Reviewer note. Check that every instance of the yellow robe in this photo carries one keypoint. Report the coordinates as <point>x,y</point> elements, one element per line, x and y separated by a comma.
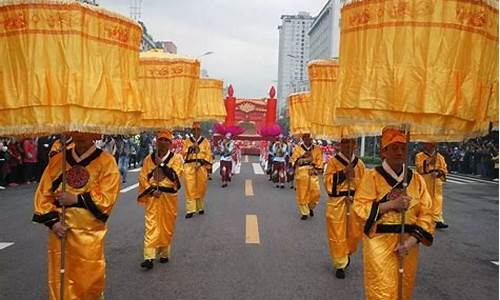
<point>342,226</point>
<point>434,184</point>
<point>195,173</point>
<point>382,232</point>
<point>307,191</point>
<point>84,245</point>
<point>160,213</point>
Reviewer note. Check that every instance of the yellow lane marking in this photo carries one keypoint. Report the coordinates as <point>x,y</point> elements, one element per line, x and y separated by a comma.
<point>252,230</point>
<point>248,187</point>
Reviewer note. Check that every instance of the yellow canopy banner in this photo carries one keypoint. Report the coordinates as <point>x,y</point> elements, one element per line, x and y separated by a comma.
<point>209,105</point>
<point>427,63</point>
<point>299,109</point>
<point>67,66</point>
<point>168,84</point>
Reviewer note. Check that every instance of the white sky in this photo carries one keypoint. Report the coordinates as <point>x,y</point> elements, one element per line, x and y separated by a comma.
<point>242,34</point>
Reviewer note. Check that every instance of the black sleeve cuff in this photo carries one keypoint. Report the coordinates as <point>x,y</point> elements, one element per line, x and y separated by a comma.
<point>48,219</point>
<point>372,218</point>
<point>422,236</point>
<point>89,204</point>
<point>172,176</point>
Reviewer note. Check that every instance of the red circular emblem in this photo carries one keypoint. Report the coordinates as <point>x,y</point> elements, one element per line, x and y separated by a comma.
<point>77,177</point>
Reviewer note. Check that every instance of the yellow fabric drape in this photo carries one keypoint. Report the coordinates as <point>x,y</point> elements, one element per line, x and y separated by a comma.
<point>299,108</point>
<point>168,85</point>
<point>427,63</point>
<point>159,213</point>
<point>307,191</point>
<point>209,105</point>
<point>67,66</point>
<point>84,253</point>
<point>425,167</point>
<point>195,173</point>
<point>343,230</point>
<point>380,259</point>
<point>323,77</point>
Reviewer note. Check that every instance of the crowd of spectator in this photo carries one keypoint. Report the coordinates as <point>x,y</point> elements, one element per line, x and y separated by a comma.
<point>475,157</point>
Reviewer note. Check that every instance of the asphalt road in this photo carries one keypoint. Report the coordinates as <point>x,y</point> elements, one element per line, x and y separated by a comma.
<point>211,259</point>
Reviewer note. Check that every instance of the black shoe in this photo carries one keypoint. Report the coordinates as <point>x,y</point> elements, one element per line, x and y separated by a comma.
<point>209,178</point>
<point>189,215</point>
<point>304,217</point>
<point>441,225</point>
<point>311,213</point>
<point>148,264</point>
<point>201,212</point>
<point>282,186</point>
<point>348,262</point>
<point>340,274</point>
<point>224,185</point>
<point>277,185</point>
<point>291,187</point>
<point>163,260</point>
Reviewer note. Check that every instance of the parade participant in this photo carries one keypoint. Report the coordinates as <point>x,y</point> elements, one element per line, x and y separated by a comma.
<point>197,155</point>
<point>342,176</point>
<point>308,163</point>
<point>432,166</point>
<point>289,166</point>
<point>226,164</point>
<point>158,186</point>
<point>93,185</point>
<point>280,149</point>
<point>379,201</point>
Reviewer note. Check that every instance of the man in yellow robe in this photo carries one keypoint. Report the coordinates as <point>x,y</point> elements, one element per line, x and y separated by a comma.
<point>379,201</point>
<point>93,184</point>
<point>158,186</point>
<point>307,160</point>
<point>432,166</point>
<point>197,155</point>
<point>342,176</point>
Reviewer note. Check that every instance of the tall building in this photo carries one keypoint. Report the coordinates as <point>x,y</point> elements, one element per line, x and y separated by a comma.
<point>167,46</point>
<point>147,42</point>
<point>324,34</point>
<point>293,56</point>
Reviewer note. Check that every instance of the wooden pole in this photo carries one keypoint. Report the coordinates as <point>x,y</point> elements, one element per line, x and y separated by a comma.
<point>62,220</point>
<point>403,213</point>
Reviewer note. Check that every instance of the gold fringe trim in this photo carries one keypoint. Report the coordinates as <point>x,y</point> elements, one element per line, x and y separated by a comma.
<point>49,129</point>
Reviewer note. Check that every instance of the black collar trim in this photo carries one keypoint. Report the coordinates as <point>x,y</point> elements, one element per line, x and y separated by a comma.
<point>391,181</point>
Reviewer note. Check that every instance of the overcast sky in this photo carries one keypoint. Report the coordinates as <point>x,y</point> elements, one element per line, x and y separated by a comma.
<point>243,34</point>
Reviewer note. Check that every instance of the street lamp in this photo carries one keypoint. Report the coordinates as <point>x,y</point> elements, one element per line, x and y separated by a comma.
<point>205,54</point>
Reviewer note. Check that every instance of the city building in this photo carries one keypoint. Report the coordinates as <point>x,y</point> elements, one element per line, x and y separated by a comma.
<point>147,42</point>
<point>293,56</point>
<point>324,34</point>
<point>167,46</point>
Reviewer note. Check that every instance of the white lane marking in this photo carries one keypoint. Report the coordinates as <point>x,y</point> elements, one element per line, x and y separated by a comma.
<point>237,168</point>
<point>215,166</point>
<point>134,170</point>
<point>129,188</point>
<point>471,179</point>
<point>4,245</point>
<point>494,262</point>
<point>246,158</point>
<point>257,169</point>
<point>453,181</point>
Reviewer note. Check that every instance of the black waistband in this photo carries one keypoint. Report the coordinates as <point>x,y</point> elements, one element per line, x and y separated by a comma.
<point>342,194</point>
